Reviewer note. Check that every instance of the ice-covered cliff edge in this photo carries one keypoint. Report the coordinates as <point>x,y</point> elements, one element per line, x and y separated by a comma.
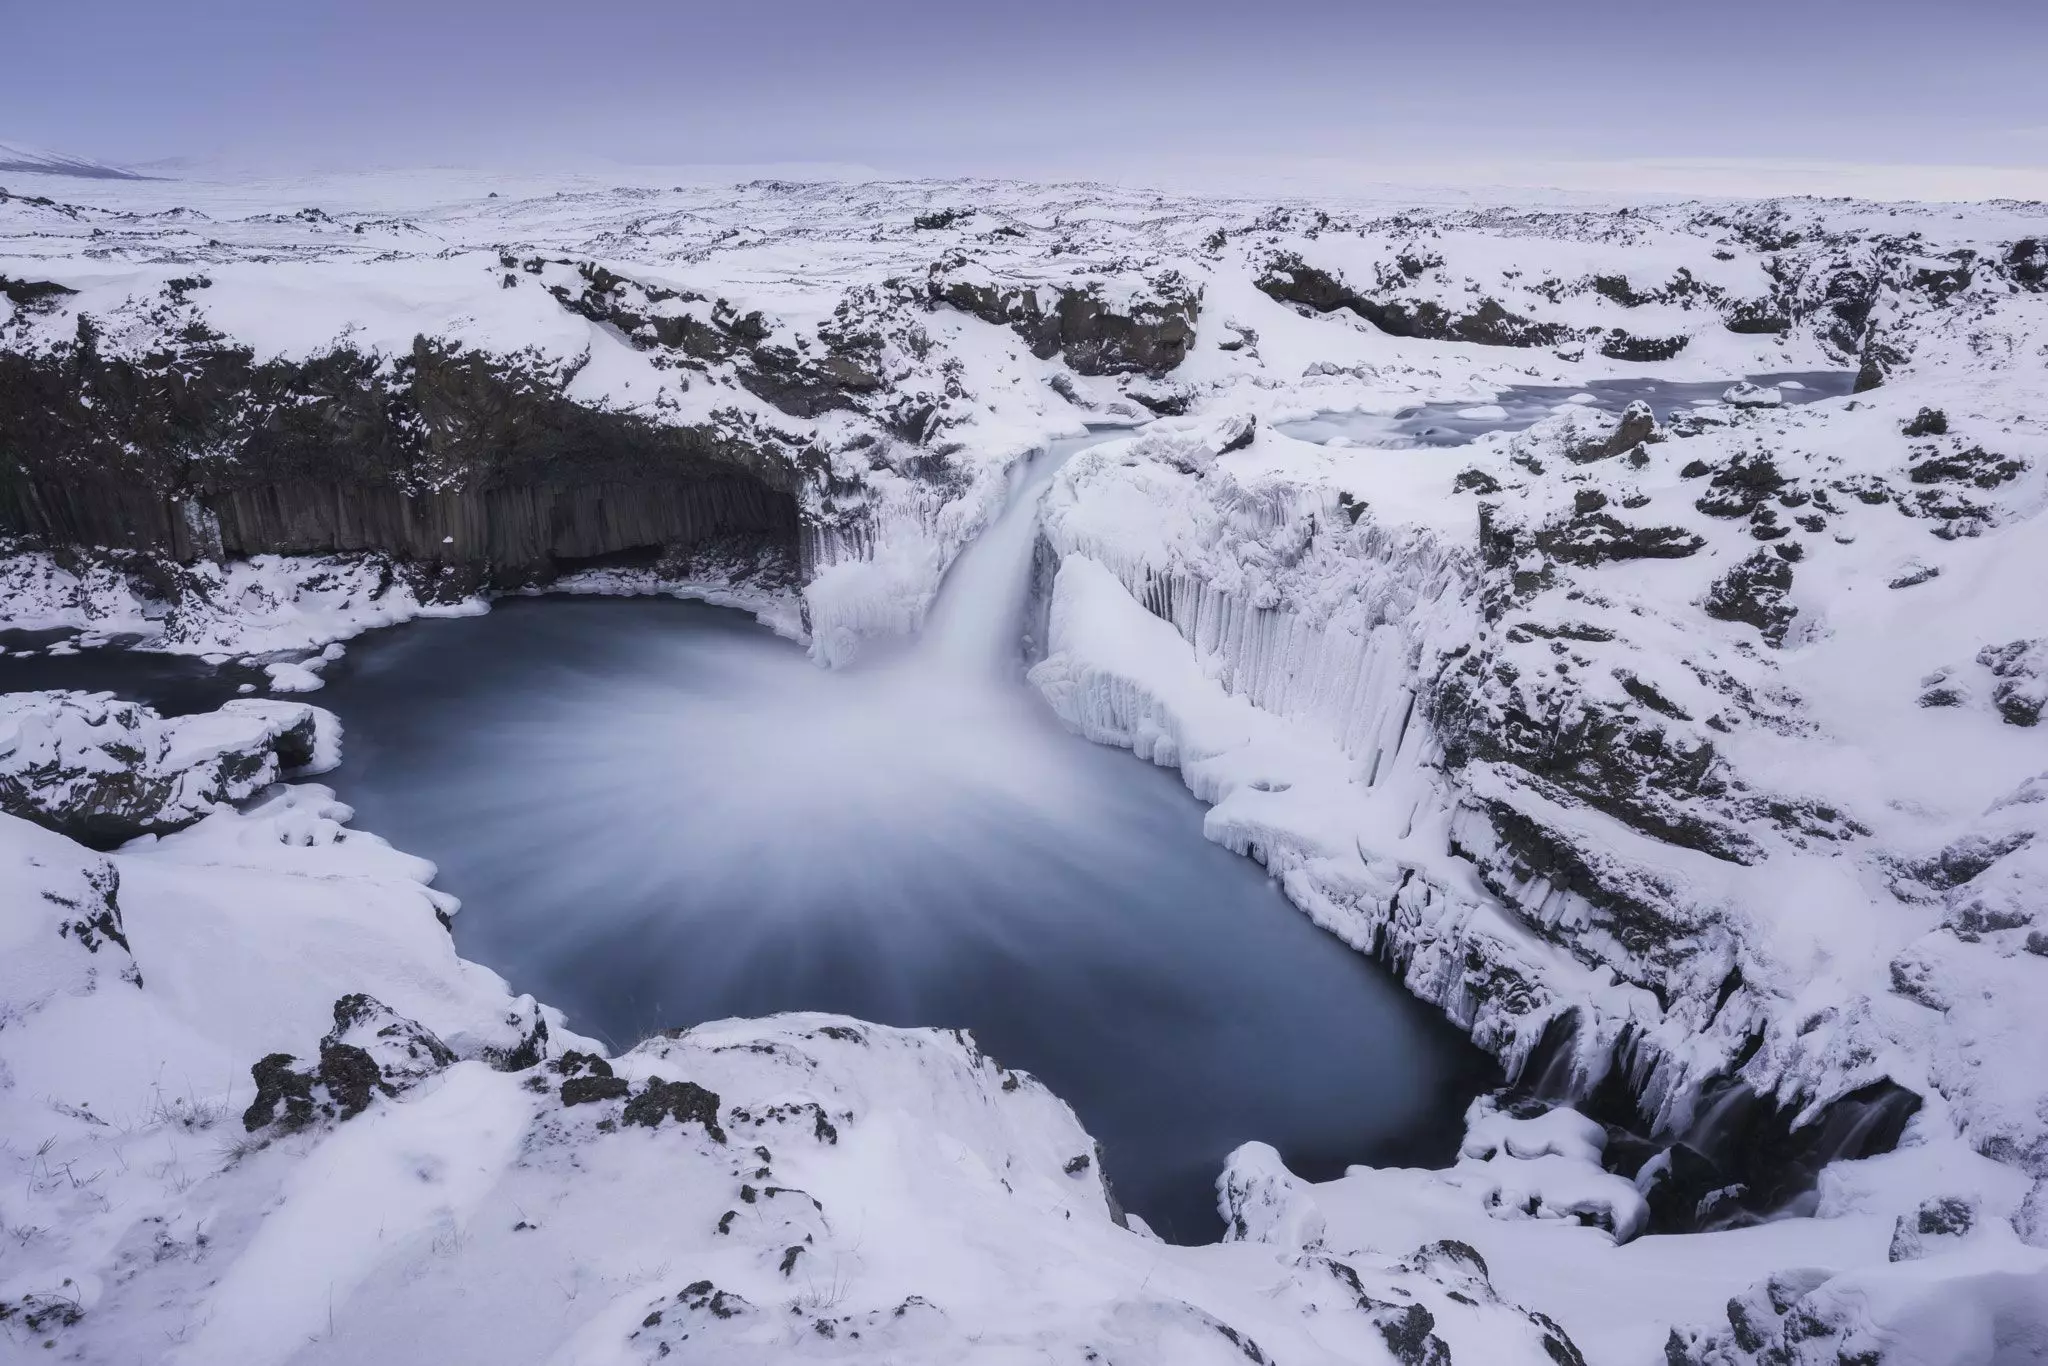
<point>1692,765</point>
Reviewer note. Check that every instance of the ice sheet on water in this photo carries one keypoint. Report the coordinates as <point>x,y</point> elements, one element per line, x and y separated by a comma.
<point>1459,423</point>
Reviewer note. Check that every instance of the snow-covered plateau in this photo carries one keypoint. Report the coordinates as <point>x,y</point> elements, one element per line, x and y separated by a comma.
<point>1689,758</point>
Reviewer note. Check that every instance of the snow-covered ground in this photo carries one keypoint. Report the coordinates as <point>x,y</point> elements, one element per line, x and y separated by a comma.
<point>1691,759</point>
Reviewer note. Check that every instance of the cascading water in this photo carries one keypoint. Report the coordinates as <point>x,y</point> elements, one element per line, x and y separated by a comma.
<point>975,627</point>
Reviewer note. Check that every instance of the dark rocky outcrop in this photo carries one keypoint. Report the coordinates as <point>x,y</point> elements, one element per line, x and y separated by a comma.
<point>443,457</point>
<point>371,1051</point>
<point>683,1101</point>
<point>1080,323</point>
<point>1591,538</point>
<point>1756,317</point>
<point>2021,668</point>
<point>1742,487</point>
<point>588,1078</point>
<point>1620,345</point>
<point>1290,280</point>
<point>1743,1159</point>
<point>1974,465</point>
<point>1638,425</point>
<point>33,296</point>
<point>2026,264</point>
<point>1754,592</point>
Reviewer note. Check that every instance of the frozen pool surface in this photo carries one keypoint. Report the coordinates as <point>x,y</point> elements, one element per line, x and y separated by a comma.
<point>1459,424</point>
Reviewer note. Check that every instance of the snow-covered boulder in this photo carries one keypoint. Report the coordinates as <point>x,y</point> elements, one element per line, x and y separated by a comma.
<point>105,770</point>
<point>61,932</point>
<point>371,1051</point>
<point>1746,395</point>
<point>1980,1300</point>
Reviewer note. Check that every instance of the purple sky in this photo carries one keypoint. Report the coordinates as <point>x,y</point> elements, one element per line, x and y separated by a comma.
<point>1043,87</point>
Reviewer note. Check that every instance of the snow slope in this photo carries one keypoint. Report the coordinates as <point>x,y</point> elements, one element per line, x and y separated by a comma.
<point>19,158</point>
<point>467,1180</point>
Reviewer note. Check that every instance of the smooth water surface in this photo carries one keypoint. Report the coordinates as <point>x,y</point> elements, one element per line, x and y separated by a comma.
<point>176,685</point>
<point>1459,424</point>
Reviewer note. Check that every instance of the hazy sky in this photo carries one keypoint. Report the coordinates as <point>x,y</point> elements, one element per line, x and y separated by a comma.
<point>1053,86</point>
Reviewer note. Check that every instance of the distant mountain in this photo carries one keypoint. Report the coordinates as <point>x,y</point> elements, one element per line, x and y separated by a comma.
<point>19,157</point>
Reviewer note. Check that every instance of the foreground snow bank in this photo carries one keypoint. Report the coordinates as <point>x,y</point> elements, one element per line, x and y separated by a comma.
<point>429,1168</point>
<point>1865,1279</point>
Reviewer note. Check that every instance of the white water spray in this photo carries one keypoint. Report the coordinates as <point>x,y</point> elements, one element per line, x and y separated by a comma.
<point>976,626</point>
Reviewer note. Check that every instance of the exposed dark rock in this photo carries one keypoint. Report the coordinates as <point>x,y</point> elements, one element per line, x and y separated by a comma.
<point>1080,325</point>
<point>584,1090</point>
<point>1621,345</point>
<point>1942,283</point>
<point>279,1083</point>
<point>1754,593</point>
<point>1290,280</point>
<point>1240,438</point>
<point>1756,317</point>
<point>803,386</point>
<point>1638,426</point>
<point>1927,422</point>
<point>1975,466</point>
<point>573,1064</point>
<point>1965,859</point>
<point>90,914</point>
<point>1409,1331</point>
<point>1618,289</point>
<point>2021,668</point>
<point>1740,488</point>
<point>443,456</point>
<point>682,1101</point>
<point>1161,399</point>
<point>1918,1234</point>
<point>532,1048</point>
<point>371,1051</point>
<point>2026,262</point>
<point>110,775</point>
<point>1939,692</point>
<point>33,296</point>
<point>1597,538</point>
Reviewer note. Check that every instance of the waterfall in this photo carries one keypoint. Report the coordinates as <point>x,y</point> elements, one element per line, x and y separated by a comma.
<point>976,625</point>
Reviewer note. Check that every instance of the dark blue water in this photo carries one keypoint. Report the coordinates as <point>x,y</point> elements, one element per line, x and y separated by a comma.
<point>1445,424</point>
<point>174,684</point>
<point>657,813</point>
